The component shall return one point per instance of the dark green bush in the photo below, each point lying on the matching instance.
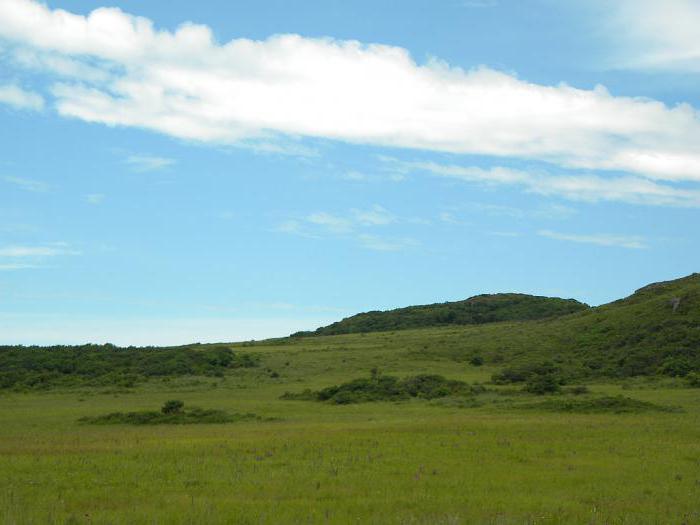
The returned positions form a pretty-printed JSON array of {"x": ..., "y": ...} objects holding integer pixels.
[
  {"x": 174, "y": 406},
  {"x": 379, "y": 387},
  {"x": 25, "y": 368},
  {"x": 541, "y": 384},
  {"x": 181, "y": 417},
  {"x": 477, "y": 360}
]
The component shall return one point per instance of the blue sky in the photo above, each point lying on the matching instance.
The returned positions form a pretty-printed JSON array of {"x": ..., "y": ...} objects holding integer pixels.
[{"x": 175, "y": 172}]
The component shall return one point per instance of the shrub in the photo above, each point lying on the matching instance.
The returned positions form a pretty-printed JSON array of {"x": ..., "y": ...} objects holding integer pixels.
[
  {"x": 578, "y": 390},
  {"x": 379, "y": 387},
  {"x": 174, "y": 406},
  {"x": 525, "y": 372},
  {"x": 477, "y": 360},
  {"x": 193, "y": 416},
  {"x": 542, "y": 384}
]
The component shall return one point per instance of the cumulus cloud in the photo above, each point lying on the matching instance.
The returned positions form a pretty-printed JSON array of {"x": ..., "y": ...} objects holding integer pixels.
[
  {"x": 603, "y": 239},
  {"x": 656, "y": 35},
  {"x": 572, "y": 186},
  {"x": 17, "y": 97},
  {"x": 185, "y": 84}
]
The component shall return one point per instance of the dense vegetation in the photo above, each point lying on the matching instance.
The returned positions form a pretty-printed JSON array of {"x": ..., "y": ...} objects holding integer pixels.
[
  {"x": 380, "y": 387},
  {"x": 43, "y": 367},
  {"x": 480, "y": 309}
]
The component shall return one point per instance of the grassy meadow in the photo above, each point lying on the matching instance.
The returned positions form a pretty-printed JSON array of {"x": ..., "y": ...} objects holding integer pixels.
[{"x": 496, "y": 458}]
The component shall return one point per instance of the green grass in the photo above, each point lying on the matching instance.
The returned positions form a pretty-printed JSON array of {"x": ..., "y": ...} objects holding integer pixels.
[
  {"x": 492, "y": 453},
  {"x": 415, "y": 461}
]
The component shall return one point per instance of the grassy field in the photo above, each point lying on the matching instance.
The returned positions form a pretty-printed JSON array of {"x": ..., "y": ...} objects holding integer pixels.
[{"x": 418, "y": 461}]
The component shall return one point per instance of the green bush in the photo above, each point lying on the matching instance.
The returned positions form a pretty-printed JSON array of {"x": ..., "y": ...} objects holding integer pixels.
[
  {"x": 25, "y": 368},
  {"x": 541, "y": 384},
  {"x": 379, "y": 387},
  {"x": 477, "y": 360},
  {"x": 174, "y": 406}
]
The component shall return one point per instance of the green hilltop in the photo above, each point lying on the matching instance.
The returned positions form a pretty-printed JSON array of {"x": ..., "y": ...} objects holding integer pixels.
[{"x": 479, "y": 309}]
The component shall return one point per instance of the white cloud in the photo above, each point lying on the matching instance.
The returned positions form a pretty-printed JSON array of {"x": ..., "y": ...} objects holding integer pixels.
[
  {"x": 331, "y": 222},
  {"x": 20, "y": 98},
  {"x": 602, "y": 239},
  {"x": 375, "y": 216},
  {"x": 94, "y": 198},
  {"x": 576, "y": 187},
  {"x": 653, "y": 34},
  {"x": 142, "y": 163},
  {"x": 353, "y": 226},
  {"x": 185, "y": 84},
  {"x": 27, "y": 184}
]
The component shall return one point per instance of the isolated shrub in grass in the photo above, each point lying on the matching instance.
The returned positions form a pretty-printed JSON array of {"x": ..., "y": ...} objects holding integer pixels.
[
  {"x": 174, "y": 417},
  {"x": 477, "y": 360},
  {"x": 379, "y": 387},
  {"x": 542, "y": 384},
  {"x": 173, "y": 406},
  {"x": 523, "y": 373}
]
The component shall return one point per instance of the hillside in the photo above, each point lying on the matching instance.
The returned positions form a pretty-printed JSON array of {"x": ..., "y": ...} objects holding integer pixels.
[
  {"x": 653, "y": 332},
  {"x": 480, "y": 309},
  {"x": 656, "y": 330}
]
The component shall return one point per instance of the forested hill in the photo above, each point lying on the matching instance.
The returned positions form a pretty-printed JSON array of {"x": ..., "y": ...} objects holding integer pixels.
[{"x": 480, "y": 309}]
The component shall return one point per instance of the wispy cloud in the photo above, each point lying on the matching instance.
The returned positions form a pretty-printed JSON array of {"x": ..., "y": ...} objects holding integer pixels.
[
  {"x": 634, "y": 242},
  {"x": 27, "y": 184},
  {"x": 351, "y": 225},
  {"x": 19, "y": 98},
  {"x": 330, "y": 222},
  {"x": 571, "y": 186},
  {"x": 16, "y": 266},
  {"x": 143, "y": 163},
  {"x": 50, "y": 250},
  {"x": 654, "y": 35}
]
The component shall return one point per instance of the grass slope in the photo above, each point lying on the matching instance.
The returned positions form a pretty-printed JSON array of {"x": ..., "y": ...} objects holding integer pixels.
[{"x": 475, "y": 310}]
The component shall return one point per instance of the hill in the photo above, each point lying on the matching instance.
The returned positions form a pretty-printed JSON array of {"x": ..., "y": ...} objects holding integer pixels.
[
  {"x": 654, "y": 331},
  {"x": 480, "y": 309}
]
